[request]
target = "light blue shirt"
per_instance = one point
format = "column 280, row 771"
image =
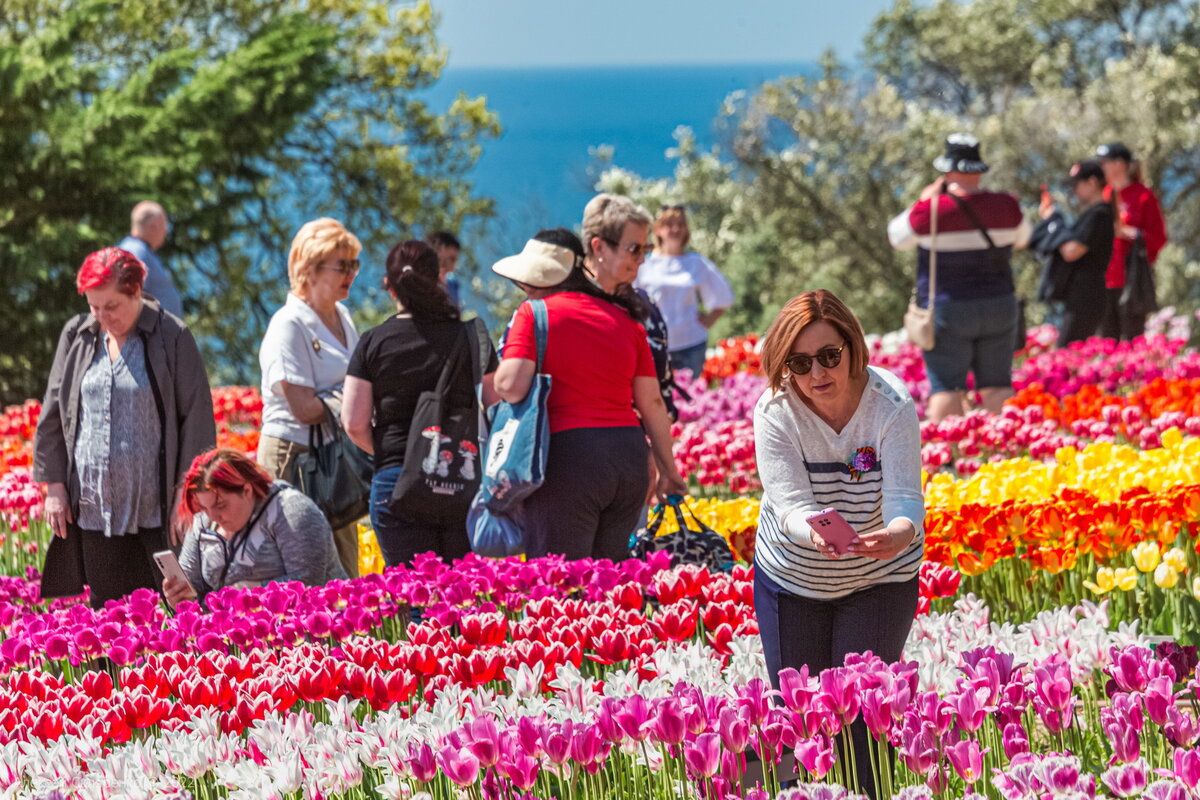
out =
column 158, row 281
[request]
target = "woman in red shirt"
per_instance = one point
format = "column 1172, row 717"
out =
column 602, row 370
column 1139, row 215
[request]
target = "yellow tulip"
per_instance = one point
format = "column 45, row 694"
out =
column 1165, row 577
column 1126, row 578
column 1196, row 587
column 1146, row 556
column 1176, row 558
column 1106, row 580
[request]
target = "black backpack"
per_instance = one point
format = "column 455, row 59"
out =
column 442, row 459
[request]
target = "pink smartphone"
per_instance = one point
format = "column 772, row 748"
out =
column 833, row 529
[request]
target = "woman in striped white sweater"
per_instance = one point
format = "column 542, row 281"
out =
column 832, row 432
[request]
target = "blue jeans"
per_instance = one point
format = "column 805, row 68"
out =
column 402, row 536
column 691, row 358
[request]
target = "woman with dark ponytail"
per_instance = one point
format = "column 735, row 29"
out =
column 392, row 365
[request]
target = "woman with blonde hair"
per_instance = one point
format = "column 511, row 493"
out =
column 832, row 432
column 679, row 281
column 306, row 351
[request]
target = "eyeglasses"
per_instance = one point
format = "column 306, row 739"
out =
column 346, row 266
column 801, row 363
column 635, row 249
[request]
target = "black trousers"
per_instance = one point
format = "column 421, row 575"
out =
column 114, row 566
column 1083, row 310
column 1117, row 324
column 596, row 482
column 797, row 631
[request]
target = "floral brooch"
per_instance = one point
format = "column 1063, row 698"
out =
column 862, row 461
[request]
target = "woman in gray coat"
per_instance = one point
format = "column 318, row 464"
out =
column 127, row 408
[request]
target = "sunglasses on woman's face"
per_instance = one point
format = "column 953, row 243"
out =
column 801, row 363
column 346, row 266
column 635, row 249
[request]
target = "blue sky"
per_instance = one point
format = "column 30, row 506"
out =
column 527, row 33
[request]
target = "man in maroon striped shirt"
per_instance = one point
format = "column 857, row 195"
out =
column 975, row 312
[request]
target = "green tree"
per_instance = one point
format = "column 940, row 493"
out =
column 243, row 118
column 814, row 167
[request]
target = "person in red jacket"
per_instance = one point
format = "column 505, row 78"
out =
column 1139, row 214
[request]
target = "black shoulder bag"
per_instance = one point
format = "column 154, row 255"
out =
column 441, row 460
column 997, row 256
column 335, row 473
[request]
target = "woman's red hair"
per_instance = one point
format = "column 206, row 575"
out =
column 111, row 265
column 224, row 469
column 801, row 311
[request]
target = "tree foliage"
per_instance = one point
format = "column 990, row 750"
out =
column 243, row 118
column 800, row 193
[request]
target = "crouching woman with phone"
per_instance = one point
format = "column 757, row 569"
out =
column 245, row 530
column 834, row 433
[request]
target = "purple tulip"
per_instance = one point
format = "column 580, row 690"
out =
column 703, row 756
column 634, row 718
column 1015, row 740
column 970, row 705
column 668, row 725
column 839, row 694
column 1182, row 729
column 877, row 712
column 1159, row 695
column 421, row 761
column 796, row 688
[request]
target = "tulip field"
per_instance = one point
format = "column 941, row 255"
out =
column 1052, row 655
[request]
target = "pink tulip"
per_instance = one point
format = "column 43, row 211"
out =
column 703, row 756
column 966, row 758
column 460, row 765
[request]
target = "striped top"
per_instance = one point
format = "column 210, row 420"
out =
column 806, row 466
column 966, row 268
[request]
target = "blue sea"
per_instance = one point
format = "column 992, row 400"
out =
column 541, row 170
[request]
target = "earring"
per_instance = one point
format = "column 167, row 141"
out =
column 787, row 373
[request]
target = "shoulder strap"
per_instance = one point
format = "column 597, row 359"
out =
column 452, row 363
column 239, row 539
column 970, row 214
column 477, row 339
column 541, row 329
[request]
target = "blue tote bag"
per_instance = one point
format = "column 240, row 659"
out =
column 515, row 464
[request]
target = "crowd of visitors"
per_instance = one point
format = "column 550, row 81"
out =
column 138, row 497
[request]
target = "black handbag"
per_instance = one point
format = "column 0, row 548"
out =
column 694, row 542
column 441, row 461
column 1138, row 297
column 335, row 474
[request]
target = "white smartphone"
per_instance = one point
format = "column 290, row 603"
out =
column 833, row 528
column 168, row 565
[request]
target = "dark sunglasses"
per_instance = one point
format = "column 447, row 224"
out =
column 673, row 208
column 801, row 364
column 635, row 249
column 346, row 266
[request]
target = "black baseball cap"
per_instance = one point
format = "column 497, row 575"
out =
column 1085, row 170
column 1114, row 150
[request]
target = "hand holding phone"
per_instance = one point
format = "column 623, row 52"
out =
column 830, row 526
column 176, row 586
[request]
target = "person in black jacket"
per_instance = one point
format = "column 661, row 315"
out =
column 1077, row 254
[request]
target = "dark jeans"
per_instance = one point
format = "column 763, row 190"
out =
column 596, row 482
column 114, row 566
column 690, row 358
column 797, row 631
column 402, row 536
column 1117, row 324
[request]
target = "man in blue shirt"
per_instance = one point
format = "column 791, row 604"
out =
column 447, row 247
column 147, row 232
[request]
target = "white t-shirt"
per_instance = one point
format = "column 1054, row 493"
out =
column 677, row 285
column 299, row 349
